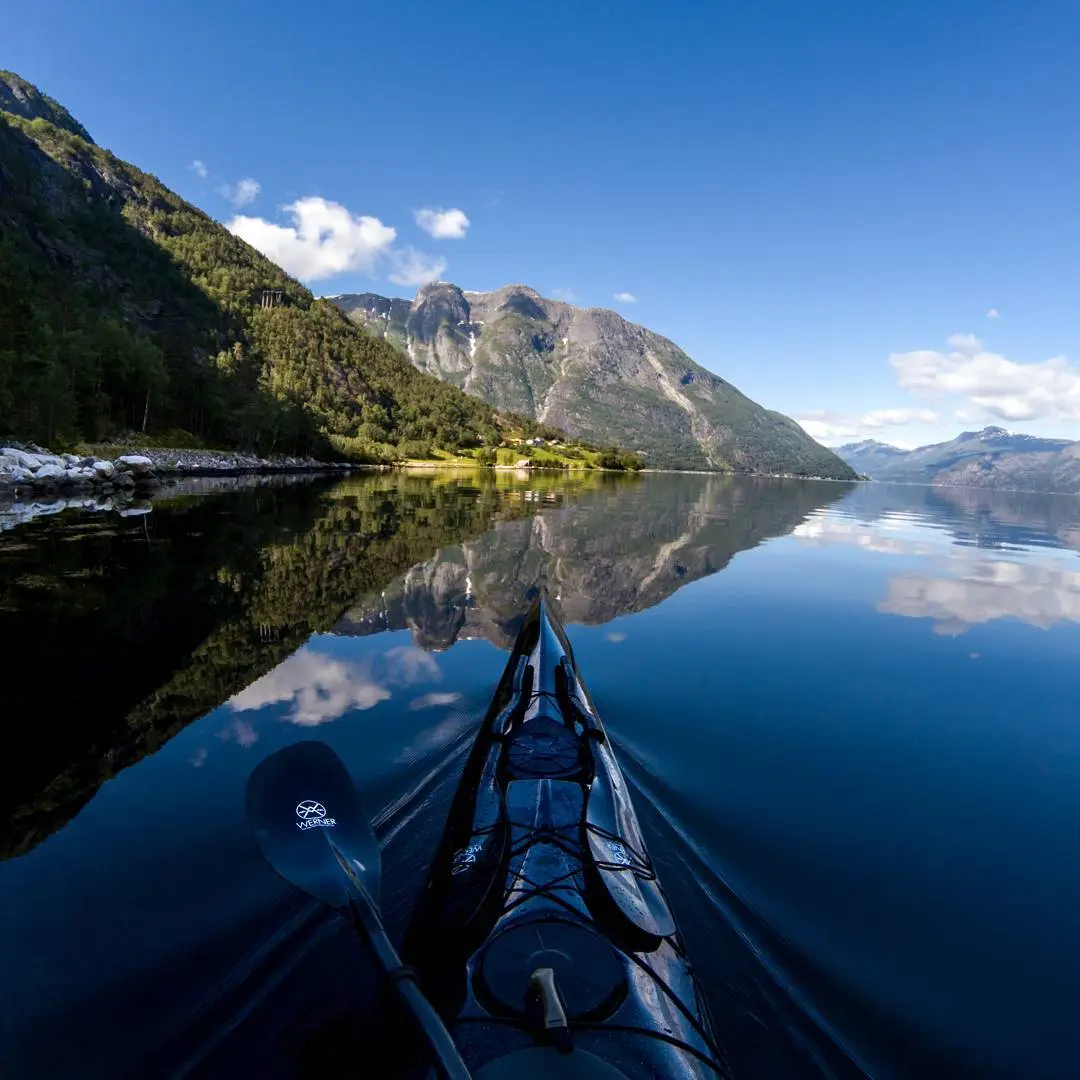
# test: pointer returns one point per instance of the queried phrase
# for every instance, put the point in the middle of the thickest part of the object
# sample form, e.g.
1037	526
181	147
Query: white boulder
104	470
8	454
137	464
49	473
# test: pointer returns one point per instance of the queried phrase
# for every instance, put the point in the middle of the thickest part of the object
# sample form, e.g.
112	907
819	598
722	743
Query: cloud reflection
435	738
819	531
1041	596
432	701
407	665
240	732
321	688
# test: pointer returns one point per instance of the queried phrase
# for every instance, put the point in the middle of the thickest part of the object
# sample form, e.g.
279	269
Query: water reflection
981	556
208	600
845	809
600	557
316	687
157	620
971	517
984	590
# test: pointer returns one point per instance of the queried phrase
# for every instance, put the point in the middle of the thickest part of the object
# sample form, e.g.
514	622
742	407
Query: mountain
20	98
592	373
122	307
991	458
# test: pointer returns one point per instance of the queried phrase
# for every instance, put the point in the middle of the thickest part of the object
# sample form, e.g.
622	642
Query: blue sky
811	198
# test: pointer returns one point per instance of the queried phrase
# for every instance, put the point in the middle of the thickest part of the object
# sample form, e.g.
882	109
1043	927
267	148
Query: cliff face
20	98
592	373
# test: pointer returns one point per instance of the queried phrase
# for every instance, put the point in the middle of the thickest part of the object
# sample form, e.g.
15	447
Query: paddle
307	819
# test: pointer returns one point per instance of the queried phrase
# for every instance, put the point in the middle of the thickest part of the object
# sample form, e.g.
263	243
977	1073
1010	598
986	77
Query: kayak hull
543	937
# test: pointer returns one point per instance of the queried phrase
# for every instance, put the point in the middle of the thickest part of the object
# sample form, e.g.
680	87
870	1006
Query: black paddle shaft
308	821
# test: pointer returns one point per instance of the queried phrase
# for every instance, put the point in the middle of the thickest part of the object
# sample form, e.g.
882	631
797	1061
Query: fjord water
849	714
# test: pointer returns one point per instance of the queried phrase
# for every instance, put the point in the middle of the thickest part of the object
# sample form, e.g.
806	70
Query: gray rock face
591	373
991	458
21	98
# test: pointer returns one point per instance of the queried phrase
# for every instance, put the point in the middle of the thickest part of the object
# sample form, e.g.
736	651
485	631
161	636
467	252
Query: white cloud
199	169
829	426
966	344
320	688
324	239
626	298
993	313
834	428
442	224
567	295
997	387
884	417
242	192
412	267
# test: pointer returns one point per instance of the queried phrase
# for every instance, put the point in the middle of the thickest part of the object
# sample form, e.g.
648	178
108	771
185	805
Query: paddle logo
312	815
465	858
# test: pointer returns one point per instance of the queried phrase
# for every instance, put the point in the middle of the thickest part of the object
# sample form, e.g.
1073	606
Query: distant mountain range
592	373
991	458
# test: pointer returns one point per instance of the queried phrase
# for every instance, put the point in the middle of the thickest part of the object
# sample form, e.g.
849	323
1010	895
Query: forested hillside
124	308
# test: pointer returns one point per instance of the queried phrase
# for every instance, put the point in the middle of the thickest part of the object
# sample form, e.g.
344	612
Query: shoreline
32	472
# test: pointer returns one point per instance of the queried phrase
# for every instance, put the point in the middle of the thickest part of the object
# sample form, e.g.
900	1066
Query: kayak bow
543	937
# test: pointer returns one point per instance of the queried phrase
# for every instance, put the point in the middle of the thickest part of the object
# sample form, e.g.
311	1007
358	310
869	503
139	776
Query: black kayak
543	937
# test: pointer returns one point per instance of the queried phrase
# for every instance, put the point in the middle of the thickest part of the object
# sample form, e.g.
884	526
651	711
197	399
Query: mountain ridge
590	372
992	457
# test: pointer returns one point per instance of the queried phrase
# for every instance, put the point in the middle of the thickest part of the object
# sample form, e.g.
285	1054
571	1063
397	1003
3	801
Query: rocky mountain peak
22	98
436	305
591	373
986	433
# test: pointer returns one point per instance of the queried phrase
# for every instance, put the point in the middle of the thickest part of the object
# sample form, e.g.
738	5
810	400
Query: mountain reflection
970	517
157	620
601	557
982	555
214	600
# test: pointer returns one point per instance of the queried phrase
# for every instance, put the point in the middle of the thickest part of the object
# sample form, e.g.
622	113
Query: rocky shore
139	500
30	471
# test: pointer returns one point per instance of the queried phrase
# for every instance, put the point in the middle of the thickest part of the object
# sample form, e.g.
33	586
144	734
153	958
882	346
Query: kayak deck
543	930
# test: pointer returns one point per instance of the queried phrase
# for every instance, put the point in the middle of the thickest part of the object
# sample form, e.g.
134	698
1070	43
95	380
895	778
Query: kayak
543	938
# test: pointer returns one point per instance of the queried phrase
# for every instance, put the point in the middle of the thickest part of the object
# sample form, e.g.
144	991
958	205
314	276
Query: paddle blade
305	812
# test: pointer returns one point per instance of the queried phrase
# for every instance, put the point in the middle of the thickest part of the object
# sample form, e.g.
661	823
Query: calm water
850	714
